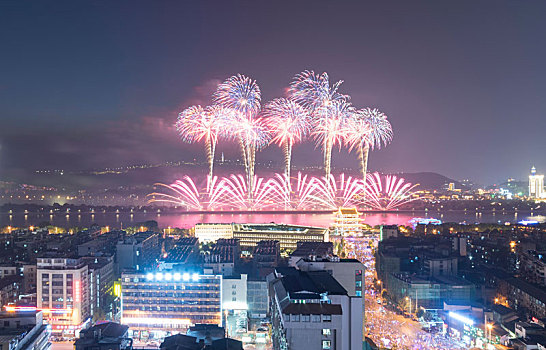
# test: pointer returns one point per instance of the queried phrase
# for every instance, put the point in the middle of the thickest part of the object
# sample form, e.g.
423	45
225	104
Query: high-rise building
63	294
311	310
101	284
169	301
536	185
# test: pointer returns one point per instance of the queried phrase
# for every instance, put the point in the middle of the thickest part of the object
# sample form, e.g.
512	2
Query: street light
489	328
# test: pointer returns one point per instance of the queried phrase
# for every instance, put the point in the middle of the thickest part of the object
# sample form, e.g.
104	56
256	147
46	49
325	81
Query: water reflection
187	220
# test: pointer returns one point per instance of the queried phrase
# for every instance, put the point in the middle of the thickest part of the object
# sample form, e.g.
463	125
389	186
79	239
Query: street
385	327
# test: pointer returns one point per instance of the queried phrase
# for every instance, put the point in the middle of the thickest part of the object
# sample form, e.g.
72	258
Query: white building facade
211	232
63	294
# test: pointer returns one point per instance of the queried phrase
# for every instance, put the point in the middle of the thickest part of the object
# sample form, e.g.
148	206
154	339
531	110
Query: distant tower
536	185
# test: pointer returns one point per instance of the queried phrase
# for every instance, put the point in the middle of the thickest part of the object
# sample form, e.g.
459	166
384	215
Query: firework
328	107
388	194
242	95
196	124
289	123
314	91
329	128
380	133
357	136
283	193
182	192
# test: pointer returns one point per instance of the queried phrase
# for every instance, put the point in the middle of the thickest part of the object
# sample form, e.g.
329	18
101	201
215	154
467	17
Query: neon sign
77	291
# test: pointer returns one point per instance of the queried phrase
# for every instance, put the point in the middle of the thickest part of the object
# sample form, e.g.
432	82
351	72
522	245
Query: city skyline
107	99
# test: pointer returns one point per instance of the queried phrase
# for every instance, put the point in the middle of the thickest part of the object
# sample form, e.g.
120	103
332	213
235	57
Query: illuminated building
211	232
63	294
234	293
23	330
101	283
348	272
250	235
311	310
169	301
536	185
347	222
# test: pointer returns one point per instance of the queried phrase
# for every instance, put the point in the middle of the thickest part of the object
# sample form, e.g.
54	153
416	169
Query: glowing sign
461	318
34	309
77	291
528	222
117	289
155	320
177	277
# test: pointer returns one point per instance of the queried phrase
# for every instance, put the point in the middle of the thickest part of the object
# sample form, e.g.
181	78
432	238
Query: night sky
91	84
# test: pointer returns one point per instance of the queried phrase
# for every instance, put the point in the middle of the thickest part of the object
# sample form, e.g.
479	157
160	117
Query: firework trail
289	124
185	193
380	133
357	136
330	129
314	91
280	192
196	124
242	95
388	194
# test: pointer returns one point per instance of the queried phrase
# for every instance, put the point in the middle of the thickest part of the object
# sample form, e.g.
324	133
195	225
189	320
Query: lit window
326	344
326	332
358	293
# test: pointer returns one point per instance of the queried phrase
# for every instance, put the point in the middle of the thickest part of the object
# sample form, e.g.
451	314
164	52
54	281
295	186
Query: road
386	328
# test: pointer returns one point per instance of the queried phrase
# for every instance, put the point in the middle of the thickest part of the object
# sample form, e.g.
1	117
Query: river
187	220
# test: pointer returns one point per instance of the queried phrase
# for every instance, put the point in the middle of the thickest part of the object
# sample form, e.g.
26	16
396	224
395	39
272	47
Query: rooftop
302	283
527	288
312	309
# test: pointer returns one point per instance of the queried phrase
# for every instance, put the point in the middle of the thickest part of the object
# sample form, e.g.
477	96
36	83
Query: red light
77	291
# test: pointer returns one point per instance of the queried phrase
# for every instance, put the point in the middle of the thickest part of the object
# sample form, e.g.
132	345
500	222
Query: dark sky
87	84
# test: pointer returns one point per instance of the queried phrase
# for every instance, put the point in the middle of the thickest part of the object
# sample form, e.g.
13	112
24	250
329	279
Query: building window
294	318
315	318
305	318
326	344
358	293
327	318
326	332
359	283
